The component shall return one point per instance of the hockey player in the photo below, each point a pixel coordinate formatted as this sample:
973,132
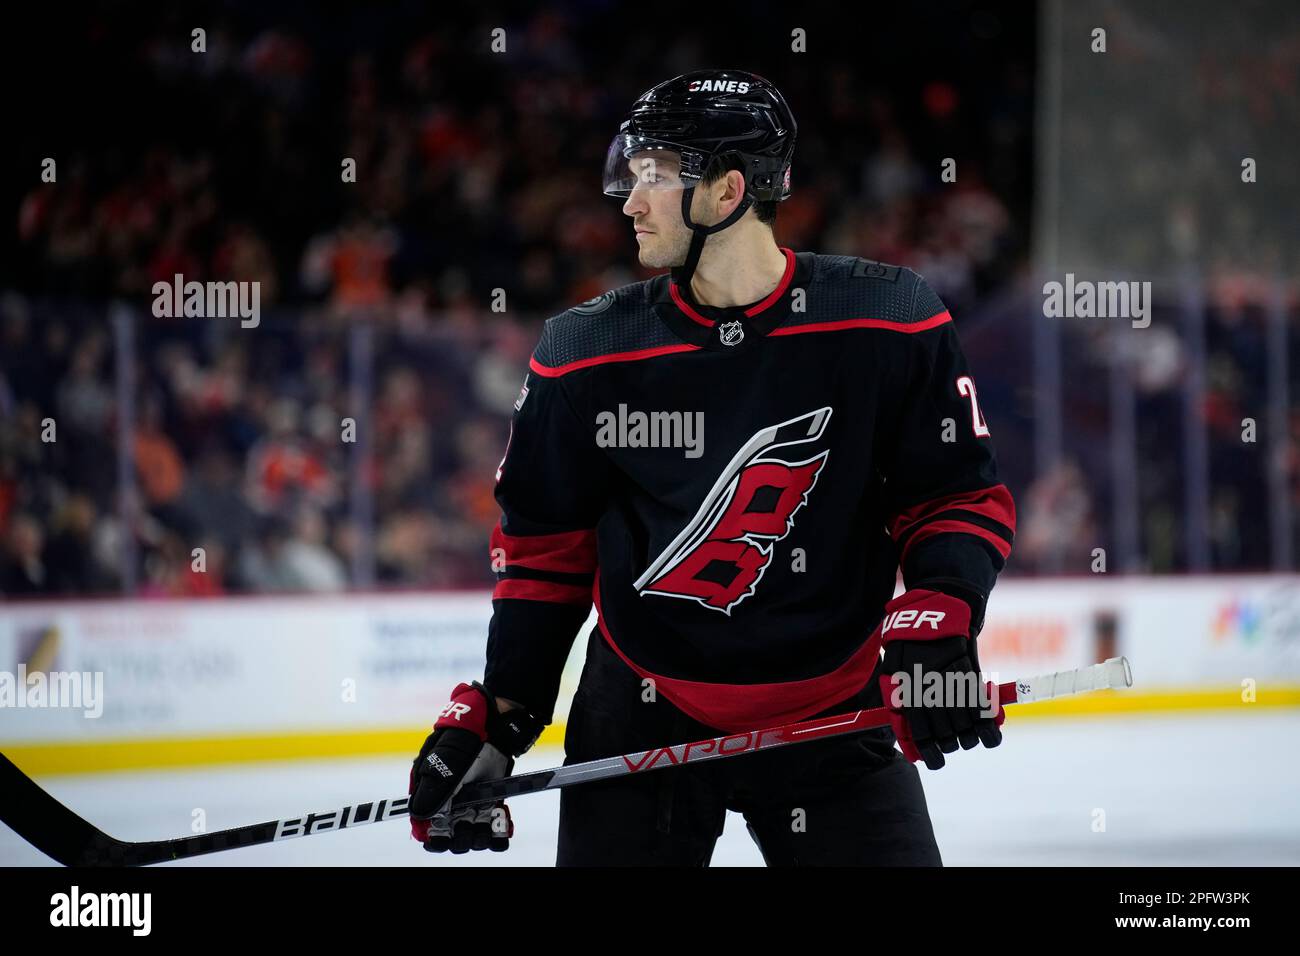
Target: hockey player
742,570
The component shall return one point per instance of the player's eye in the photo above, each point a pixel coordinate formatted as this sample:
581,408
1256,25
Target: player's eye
651,173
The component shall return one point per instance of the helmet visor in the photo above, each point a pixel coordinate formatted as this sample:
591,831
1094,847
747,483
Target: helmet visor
634,162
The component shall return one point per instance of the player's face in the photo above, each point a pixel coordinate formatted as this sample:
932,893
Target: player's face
655,205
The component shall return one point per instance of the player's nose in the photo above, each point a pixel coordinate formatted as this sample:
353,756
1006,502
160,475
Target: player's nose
636,202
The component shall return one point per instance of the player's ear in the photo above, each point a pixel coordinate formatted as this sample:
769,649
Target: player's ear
733,191
723,195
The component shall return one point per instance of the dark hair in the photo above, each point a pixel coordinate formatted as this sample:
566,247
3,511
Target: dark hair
719,166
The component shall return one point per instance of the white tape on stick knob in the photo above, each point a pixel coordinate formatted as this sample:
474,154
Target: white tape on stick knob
1112,673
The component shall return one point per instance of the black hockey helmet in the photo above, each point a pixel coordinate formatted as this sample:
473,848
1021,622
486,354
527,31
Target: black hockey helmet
707,114
677,128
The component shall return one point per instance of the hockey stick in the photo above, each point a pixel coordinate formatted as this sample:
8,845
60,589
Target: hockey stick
59,833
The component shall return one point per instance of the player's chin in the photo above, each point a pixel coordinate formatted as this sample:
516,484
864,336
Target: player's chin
653,256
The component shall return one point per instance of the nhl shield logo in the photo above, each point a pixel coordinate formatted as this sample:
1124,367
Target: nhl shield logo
731,333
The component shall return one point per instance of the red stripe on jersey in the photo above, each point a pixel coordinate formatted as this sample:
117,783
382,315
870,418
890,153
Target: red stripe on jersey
686,308
958,527
571,552
994,502
780,286
635,356
911,328
521,589
754,309
734,708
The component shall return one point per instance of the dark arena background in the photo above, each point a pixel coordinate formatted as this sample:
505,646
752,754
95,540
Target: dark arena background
266,542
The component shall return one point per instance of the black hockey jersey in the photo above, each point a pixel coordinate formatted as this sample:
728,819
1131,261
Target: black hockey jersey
736,488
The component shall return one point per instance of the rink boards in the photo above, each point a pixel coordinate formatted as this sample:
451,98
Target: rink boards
184,682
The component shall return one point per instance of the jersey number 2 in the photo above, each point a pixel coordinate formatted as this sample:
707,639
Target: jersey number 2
966,387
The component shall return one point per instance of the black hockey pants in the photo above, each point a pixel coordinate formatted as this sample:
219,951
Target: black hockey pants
849,801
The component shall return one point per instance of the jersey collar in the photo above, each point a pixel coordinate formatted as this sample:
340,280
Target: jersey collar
732,327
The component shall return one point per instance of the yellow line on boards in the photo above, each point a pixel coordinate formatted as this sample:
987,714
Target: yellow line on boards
64,757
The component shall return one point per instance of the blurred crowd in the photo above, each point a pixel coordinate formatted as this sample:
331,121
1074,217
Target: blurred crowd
472,175
257,460
1211,105
351,438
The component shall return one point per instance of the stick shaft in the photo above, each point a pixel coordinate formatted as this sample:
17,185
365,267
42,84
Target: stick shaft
61,834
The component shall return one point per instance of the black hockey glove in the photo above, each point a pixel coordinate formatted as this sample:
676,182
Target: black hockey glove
930,678
470,741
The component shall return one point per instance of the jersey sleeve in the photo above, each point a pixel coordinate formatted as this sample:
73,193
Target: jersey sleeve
952,521
552,486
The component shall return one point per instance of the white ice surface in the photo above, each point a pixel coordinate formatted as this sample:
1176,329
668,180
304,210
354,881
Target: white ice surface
1205,789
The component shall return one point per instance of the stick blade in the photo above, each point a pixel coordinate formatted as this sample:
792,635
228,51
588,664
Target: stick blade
48,825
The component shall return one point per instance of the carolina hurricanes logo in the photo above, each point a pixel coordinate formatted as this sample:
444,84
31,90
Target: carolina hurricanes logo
720,556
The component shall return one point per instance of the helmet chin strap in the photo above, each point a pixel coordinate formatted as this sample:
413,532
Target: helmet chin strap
682,274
